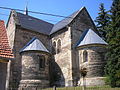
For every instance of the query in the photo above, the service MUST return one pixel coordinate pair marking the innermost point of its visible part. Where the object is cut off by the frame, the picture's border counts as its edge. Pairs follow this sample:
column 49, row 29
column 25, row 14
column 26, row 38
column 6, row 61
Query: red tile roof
column 5, row 50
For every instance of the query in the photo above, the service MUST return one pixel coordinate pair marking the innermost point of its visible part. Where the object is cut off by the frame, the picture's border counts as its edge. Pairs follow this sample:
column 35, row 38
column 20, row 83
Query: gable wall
column 11, row 30
column 79, row 24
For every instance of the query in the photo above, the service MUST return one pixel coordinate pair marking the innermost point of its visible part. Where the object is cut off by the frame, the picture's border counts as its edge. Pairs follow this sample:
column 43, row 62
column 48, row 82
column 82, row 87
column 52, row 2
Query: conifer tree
column 113, row 38
column 102, row 21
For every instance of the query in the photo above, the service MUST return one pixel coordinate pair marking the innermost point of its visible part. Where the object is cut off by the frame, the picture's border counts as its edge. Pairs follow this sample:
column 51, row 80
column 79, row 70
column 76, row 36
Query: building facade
column 47, row 54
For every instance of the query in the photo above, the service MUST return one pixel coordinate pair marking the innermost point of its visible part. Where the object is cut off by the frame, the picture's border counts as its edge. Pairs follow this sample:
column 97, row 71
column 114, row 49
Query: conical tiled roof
column 34, row 45
column 90, row 37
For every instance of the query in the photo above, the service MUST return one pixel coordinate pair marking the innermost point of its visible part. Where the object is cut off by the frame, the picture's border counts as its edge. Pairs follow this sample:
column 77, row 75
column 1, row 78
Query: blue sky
column 59, row 7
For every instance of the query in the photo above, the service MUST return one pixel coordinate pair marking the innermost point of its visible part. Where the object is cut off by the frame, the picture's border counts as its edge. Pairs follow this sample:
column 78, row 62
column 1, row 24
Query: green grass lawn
column 87, row 88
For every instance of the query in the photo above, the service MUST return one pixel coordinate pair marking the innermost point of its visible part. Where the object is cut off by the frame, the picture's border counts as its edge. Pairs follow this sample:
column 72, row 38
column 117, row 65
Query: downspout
column 8, row 75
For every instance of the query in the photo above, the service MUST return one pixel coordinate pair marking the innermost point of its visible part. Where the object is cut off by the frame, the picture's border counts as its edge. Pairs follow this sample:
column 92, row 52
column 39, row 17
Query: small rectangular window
column 85, row 56
column 41, row 61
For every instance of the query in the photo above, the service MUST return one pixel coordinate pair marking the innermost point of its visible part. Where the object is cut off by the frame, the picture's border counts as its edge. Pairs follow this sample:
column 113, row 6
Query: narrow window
column 54, row 48
column 41, row 61
column 85, row 56
column 59, row 46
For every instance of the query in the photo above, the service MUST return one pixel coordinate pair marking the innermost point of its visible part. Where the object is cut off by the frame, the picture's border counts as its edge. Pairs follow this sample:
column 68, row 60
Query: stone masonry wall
column 95, row 64
column 96, row 61
column 11, row 30
column 22, row 37
column 11, row 36
column 32, row 74
column 63, row 58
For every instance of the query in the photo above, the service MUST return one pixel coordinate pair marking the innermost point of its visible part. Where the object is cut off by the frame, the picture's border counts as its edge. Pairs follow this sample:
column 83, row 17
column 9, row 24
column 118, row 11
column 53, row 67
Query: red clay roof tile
column 5, row 50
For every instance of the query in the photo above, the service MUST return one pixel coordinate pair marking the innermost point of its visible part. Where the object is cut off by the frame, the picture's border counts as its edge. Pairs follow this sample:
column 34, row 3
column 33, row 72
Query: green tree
column 113, row 38
column 102, row 21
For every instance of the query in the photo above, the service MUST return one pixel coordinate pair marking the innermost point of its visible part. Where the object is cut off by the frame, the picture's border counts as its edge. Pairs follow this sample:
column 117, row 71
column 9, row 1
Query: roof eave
column 58, row 30
column 47, row 52
column 32, row 30
column 90, row 45
column 3, row 58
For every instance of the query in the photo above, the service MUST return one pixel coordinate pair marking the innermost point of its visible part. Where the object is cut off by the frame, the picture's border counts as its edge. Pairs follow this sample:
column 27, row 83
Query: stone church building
column 48, row 54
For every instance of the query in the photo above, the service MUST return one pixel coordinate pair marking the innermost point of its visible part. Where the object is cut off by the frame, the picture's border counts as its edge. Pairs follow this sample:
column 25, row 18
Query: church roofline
column 42, row 26
column 65, row 22
column 34, row 24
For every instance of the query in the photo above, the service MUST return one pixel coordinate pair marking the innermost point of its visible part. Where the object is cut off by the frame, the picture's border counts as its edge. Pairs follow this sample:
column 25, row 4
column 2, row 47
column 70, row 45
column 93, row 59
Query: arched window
column 85, row 56
column 59, row 46
column 41, row 61
column 54, row 48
